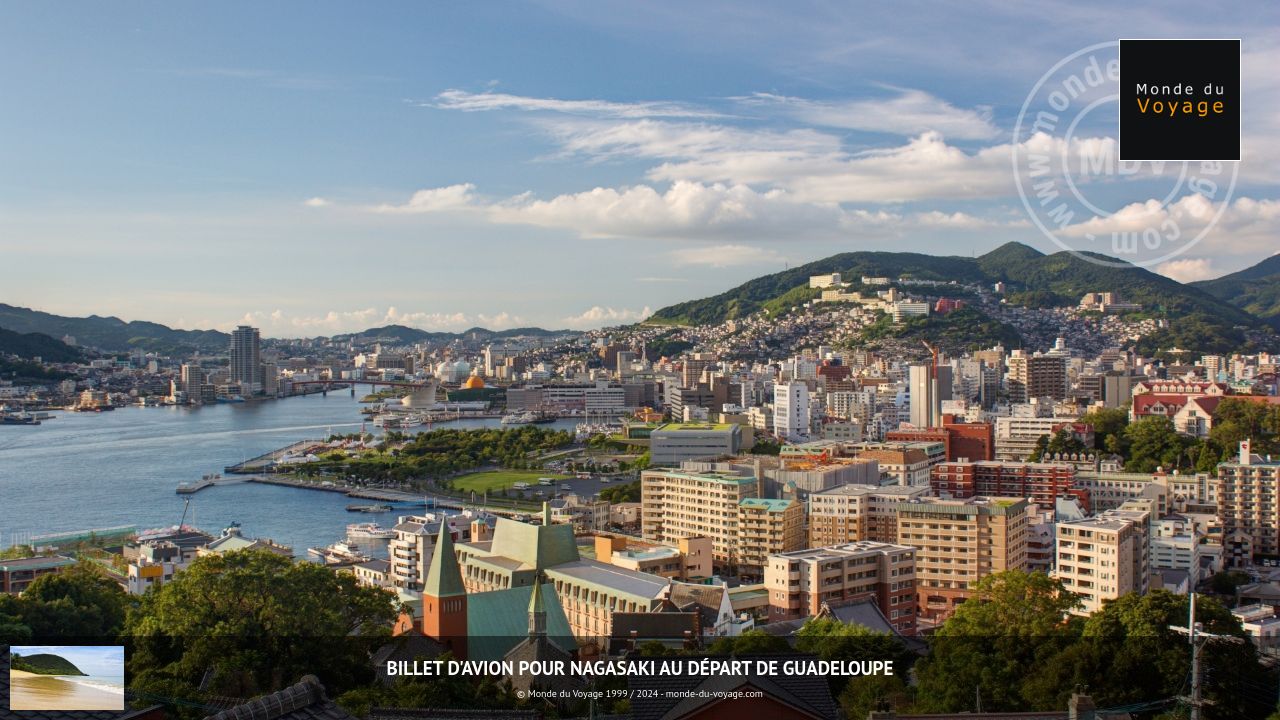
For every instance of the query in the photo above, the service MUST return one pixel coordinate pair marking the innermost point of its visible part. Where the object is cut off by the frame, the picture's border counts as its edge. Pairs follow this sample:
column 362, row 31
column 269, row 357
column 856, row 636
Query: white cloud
column 441, row 199
column 1187, row 270
column 727, row 256
column 685, row 210
column 598, row 316
column 480, row 102
column 315, row 202
column 910, row 112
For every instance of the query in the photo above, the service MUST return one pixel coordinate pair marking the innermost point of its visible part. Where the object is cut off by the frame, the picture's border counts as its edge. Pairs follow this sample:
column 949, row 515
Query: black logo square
column 1180, row 100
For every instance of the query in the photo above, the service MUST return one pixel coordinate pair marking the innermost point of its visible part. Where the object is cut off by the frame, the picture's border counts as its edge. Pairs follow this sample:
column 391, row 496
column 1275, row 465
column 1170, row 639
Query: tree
column 1237, row 419
column 1153, row 442
column 256, row 622
column 80, row 601
column 1106, row 422
column 1013, row 623
column 751, row 642
column 1129, row 654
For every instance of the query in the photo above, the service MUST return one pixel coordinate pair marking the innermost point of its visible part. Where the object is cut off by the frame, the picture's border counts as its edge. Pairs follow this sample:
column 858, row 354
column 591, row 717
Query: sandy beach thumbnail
column 28, row 691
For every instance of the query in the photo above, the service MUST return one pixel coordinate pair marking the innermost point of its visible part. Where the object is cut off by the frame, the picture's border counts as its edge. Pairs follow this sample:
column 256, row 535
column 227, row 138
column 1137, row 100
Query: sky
column 102, row 661
column 315, row 168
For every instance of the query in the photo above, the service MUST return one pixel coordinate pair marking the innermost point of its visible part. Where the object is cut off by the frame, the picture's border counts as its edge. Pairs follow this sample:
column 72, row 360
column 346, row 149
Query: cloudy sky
column 316, row 168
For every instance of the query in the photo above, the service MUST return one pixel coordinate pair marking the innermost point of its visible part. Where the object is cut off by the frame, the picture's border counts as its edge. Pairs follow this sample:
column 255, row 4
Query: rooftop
column 836, row 552
column 766, row 504
column 621, row 580
column 35, row 563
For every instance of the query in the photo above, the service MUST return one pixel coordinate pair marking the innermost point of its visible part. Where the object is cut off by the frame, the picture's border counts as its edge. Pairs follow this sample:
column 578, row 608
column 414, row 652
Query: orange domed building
column 475, row 382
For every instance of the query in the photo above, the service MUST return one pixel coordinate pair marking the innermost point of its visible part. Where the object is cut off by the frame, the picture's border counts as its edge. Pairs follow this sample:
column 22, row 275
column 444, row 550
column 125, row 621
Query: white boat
column 339, row 553
column 520, row 418
column 369, row 531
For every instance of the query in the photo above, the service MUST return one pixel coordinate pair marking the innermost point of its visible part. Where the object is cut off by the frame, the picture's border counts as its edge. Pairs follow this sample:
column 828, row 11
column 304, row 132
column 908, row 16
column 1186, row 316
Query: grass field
column 501, row 479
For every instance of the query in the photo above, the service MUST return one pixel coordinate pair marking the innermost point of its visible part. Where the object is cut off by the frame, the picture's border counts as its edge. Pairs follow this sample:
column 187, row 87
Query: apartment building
column 853, row 513
column 801, row 582
column 1043, row 483
column 767, row 526
column 723, row 505
column 1104, row 557
column 959, row 542
column 904, row 463
column 1016, row 437
column 1248, row 502
column 689, row 560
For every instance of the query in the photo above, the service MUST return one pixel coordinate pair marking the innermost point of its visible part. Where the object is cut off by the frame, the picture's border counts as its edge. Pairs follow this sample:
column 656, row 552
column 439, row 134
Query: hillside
column 111, row 333
column 1197, row 318
column 45, row 664
column 1255, row 290
column 31, row 345
column 405, row 334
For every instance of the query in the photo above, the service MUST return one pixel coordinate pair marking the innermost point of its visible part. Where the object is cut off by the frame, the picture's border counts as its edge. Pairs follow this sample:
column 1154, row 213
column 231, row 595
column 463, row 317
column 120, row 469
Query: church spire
column 537, row 610
column 444, row 577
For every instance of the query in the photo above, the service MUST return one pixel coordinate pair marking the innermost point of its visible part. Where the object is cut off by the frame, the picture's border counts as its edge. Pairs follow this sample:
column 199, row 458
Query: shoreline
column 31, row 691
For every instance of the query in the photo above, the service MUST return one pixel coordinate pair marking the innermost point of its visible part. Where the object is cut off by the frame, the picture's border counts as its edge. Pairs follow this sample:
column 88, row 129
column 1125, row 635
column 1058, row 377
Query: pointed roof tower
column 444, row 577
column 537, row 610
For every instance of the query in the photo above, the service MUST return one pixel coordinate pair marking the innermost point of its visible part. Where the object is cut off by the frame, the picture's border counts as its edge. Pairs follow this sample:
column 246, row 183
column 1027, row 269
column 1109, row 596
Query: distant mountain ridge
column 111, row 333
column 1255, row 289
column 45, row 664
column 33, row 345
column 1197, row 318
column 41, row 332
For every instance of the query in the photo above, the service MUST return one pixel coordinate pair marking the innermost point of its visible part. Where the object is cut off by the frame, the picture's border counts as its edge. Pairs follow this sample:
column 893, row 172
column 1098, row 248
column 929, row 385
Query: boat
column 369, row 508
column 543, row 418
column 369, row 531
column 519, row 418
column 340, row 553
column 18, row 419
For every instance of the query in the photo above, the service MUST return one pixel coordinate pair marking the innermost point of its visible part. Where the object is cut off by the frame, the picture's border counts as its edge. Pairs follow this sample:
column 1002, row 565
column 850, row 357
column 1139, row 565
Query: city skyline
column 313, row 172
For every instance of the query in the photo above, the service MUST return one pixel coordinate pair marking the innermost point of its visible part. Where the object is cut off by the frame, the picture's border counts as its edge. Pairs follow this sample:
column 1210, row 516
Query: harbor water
column 81, row 471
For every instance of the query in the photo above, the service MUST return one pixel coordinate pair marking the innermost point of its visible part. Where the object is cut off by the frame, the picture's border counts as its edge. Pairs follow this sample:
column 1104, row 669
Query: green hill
column 1255, row 290
column 45, row 664
column 1198, row 319
column 31, row 345
column 111, row 333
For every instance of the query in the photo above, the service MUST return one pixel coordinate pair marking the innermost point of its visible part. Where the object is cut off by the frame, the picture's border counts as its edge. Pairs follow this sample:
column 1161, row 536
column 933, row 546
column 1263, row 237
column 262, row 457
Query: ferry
column 339, row 553
column 369, row 531
column 520, row 418
column 18, row 419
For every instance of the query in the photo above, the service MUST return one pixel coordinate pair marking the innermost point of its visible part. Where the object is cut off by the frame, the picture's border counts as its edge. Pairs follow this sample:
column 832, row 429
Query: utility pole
column 1197, row 637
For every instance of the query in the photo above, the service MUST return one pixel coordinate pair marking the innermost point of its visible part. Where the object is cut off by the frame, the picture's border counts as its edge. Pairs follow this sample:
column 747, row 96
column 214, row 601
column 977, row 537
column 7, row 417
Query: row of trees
column 440, row 453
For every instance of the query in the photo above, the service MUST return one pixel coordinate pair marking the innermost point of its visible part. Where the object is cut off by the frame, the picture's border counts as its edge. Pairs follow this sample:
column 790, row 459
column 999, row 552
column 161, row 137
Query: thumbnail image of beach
column 66, row 677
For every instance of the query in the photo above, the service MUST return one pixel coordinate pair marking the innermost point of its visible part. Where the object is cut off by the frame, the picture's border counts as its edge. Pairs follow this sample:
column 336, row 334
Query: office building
column 246, row 360
column 673, row 443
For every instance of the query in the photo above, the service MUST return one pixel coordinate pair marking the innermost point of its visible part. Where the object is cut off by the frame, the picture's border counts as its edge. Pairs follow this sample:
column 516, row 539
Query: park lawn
column 501, row 479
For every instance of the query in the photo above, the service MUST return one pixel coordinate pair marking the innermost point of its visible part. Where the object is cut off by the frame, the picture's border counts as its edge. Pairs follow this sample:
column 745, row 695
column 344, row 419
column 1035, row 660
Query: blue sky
column 324, row 167
column 106, row 661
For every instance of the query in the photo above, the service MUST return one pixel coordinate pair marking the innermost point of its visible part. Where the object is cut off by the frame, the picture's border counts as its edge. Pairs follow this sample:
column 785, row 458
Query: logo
column 1082, row 196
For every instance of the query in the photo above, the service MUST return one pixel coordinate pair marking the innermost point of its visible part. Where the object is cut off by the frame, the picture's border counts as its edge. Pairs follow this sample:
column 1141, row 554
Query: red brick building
column 963, row 441
column 1041, row 482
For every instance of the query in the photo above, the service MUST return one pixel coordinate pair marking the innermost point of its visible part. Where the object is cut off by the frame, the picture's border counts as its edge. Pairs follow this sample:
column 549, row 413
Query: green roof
column 444, row 577
column 538, row 546
column 766, row 504
column 498, row 621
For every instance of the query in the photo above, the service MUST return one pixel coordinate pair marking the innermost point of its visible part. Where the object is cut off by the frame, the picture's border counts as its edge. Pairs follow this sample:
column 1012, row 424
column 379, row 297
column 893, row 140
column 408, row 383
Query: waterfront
column 93, row 470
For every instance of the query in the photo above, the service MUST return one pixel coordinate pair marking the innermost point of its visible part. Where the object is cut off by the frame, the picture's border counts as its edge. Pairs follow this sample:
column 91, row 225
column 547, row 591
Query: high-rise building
column 1036, row 376
column 191, row 378
column 929, row 387
column 1249, row 503
column 246, row 360
column 723, row 506
column 1102, row 558
column 959, row 542
column 791, row 410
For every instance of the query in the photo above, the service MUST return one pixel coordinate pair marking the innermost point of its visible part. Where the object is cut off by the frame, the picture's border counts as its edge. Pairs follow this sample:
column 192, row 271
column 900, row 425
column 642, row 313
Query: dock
column 394, row 496
column 267, row 461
